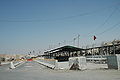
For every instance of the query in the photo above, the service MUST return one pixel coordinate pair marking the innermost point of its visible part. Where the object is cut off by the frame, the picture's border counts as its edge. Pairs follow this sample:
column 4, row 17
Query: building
column 10, row 57
column 63, row 53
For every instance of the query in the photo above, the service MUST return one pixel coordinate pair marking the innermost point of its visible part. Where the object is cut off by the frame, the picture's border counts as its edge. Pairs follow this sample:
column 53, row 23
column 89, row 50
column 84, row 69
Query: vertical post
column 78, row 40
column 49, row 47
column 59, row 44
column 94, row 37
column 74, row 41
column 64, row 42
column 107, row 50
column 39, row 52
column 113, row 48
column 92, row 52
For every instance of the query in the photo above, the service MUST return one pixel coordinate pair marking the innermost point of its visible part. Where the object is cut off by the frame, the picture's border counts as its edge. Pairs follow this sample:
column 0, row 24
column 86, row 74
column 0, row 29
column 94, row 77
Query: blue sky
column 27, row 25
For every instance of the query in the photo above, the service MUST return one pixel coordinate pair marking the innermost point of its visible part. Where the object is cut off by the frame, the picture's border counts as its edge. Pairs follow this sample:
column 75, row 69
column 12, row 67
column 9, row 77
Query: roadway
column 34, row 71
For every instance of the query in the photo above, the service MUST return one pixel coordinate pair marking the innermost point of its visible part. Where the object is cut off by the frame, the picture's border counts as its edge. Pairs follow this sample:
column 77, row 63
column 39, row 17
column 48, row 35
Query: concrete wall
column 54, row 64
column 49, row 61
column 114, row 62
column 118, row 61
column 63, row 65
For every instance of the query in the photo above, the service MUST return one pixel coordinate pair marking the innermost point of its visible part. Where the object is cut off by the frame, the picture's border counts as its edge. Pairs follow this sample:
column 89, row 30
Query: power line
column 108, row 18
column 114, row 26
column 64, row 18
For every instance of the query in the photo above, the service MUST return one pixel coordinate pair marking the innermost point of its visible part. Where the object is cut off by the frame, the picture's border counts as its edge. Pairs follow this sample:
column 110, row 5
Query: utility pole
column 33, row 52
column 64, row 43
column 113, row 48
column 78, row 39
column 74, row 41
column 59, row 44
column 39, row 52
column 49, row 47
column 92, row 52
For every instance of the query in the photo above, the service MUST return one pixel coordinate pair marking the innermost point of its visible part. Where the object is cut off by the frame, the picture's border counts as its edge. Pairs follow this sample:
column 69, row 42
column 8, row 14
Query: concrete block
column 113, row 61
column 12, row 65
column 63, row 65
column 77, row 63
column 118, row 61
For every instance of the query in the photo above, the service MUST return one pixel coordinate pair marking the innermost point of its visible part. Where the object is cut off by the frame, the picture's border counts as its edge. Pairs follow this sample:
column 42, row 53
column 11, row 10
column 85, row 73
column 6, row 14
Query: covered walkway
column 63, row 53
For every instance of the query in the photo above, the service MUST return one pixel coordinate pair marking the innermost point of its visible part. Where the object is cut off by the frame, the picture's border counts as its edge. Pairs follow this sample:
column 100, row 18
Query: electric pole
column 78, row 39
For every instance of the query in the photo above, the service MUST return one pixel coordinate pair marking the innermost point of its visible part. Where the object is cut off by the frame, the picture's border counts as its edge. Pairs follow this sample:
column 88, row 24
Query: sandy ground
column 35, row 71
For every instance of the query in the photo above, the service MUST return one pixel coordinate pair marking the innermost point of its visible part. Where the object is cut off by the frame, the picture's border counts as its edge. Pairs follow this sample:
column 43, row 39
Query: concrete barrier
column 63, row 65
column 118, row 60
column 3, row 63
column 54, row 64
column 13, row 65
column 113, row 61
column 77, row 63
column 50, row 63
